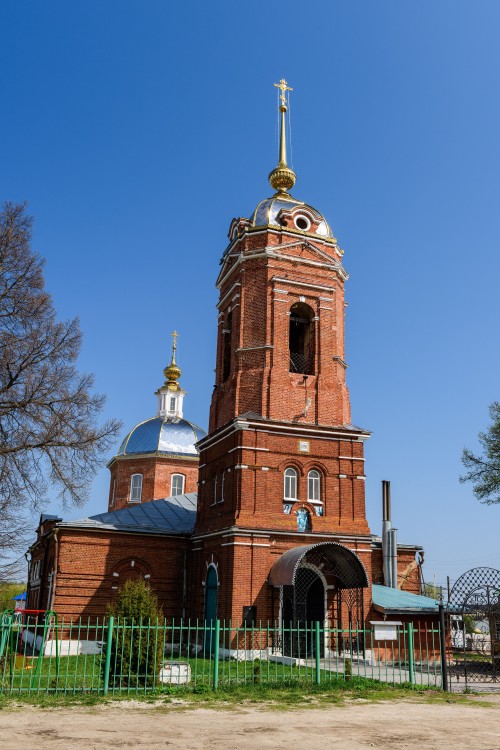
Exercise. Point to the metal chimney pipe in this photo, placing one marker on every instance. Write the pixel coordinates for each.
(386, 527)
(394, 558)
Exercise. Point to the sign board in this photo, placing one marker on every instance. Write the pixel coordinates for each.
(385, 630)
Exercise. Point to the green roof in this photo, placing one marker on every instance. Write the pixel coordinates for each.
(388, 599)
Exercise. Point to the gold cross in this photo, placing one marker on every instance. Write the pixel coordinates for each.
(283, 86)
(174, 336)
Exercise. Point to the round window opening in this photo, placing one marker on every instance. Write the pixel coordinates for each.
(302, 223)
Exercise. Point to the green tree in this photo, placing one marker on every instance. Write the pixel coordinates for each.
(7, 592)
(138, 637)
(484, 470)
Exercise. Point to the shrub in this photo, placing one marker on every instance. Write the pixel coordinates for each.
(137, 643)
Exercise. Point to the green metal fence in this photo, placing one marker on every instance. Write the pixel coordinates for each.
(115, 656)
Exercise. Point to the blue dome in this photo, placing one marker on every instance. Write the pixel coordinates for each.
(163, 435)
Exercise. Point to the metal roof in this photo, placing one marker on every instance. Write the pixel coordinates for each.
(267, 213)
(387, 599)
(172, 515)
(285, 568)
(163, 435)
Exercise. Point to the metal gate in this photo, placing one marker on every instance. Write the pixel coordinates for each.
(474, 626)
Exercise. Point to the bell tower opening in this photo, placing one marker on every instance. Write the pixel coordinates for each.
(301, 339)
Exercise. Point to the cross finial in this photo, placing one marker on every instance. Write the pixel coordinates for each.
(174, 345)
(284, 87)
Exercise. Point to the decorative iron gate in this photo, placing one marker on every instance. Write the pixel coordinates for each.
(474, 622)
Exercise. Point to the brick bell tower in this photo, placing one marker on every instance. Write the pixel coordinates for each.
(282, 466)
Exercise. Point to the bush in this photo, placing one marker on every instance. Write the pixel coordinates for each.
(137, 643)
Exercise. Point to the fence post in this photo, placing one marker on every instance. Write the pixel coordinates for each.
(411, 663)
(317, 642)
(442, 648)
(216, 654)
(107, 663)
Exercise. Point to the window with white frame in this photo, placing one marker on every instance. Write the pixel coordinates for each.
(136, 488)
(314, 486)
(177, 484)
(290, 484)
(214, 499)
(172, 404)
(221, 496)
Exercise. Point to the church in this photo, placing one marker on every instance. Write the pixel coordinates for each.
(262, 519)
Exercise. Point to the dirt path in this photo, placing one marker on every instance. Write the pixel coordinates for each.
(348, 727)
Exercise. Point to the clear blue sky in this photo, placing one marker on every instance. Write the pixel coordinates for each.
(137, 131)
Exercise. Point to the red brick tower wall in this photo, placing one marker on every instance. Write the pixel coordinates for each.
(157, 474)
(264, 419)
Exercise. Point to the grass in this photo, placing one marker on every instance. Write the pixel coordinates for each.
(281, 698)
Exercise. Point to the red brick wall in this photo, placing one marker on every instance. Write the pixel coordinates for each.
(157, 476)
(259, 293)
(253, 496)
(408, 569)
(87, 562)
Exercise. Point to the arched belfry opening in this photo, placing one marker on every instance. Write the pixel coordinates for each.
(301, 339)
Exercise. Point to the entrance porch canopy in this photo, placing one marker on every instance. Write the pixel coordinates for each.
(332, 558)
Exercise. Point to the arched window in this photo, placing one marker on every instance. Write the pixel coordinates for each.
(136, 488)
(177, 484)
(301, 340)
(290, 484)
(314, 486)
(226, 358)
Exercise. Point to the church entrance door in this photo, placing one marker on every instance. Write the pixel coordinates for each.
(300, 616)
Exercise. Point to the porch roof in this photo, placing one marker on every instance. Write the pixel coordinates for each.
(337, 559)
(393, 601)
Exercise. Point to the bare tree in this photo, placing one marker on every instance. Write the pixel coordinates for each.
(49, 432)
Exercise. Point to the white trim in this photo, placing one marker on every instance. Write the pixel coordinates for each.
(282, 291)
(333, 265)
(227, 294)
(240, 466)
(243, 544)
(183, 477)
(267, 534)
(303, 283)
(247, 448)
(351, 458)
(299, 431)
(131, 491)
(254, 348)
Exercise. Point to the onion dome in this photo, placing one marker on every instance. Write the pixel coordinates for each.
(167, 434)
